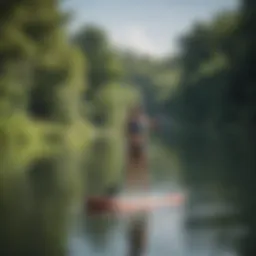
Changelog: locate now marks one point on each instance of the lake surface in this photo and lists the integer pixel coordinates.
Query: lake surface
(167, 235)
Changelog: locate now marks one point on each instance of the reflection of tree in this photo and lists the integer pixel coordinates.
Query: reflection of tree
(48, 223)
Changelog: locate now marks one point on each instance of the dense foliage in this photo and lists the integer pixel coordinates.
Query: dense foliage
(47, 141)
(63, 106)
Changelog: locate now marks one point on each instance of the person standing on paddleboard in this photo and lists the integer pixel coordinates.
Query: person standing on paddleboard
(137, 175)
(136, 179)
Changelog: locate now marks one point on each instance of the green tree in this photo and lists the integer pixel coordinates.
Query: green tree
(103, 64)
(42, 135)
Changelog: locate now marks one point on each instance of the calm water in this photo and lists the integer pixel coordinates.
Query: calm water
(98, 236)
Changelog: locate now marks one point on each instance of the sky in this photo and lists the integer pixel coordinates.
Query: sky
(145, 26)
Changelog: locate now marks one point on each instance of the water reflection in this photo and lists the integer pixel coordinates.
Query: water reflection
(35, 212)
(167, 236)
(208, 224)
(107, 235)
(98, 230)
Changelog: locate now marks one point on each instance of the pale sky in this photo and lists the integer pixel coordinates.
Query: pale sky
(145, 26)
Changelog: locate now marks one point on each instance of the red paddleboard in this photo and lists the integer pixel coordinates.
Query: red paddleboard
(100, 205)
